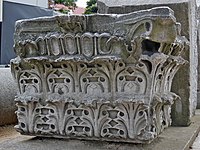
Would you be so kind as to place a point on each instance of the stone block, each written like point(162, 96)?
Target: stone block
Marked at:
point(185, 81)
point(198, 45)
point(8, 91)
point(97, 77)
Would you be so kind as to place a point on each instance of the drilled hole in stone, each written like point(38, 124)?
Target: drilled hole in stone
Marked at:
point(140, 79)
point(155, 130)
point(37, 110)
point(35, 80)
point(121, 114)
point(140, 113)
point(73, 134)
point(52, 126)
point(51, 80)
point(22, 81)
point(33, 67)
point(147, 26)
point(121, 78)
point(132, 46)
point(52, 111)
point(102, 79)
point(69, 128)
point(48, 65)
point(104, 113)
point(120, 64)
point(141, 65)
point(22, 125)
point(87, 129)
point(82, 65)
point(68, 80)
point(105, 130)
point(84, 80)
point(69, 112)
point(65, 66)
point(160, 76)
point(168, 78)
point(164, 123)
point(121, 132)
point(22, 109)
point(17, 68)
point(86, 112)
point(152, 129)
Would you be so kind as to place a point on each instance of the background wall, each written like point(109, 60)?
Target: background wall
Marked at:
point(40, 3)
point(1, 10)
point(11, 13)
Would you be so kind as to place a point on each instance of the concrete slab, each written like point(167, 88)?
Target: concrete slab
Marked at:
point(173, 138)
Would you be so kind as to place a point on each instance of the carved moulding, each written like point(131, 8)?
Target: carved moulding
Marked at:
point(106, 80)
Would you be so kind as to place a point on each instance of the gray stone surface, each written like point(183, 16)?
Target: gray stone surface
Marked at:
point(173, 138)
point(198, 44)
point(98, 77)
point(185, 81)
point(8, 91)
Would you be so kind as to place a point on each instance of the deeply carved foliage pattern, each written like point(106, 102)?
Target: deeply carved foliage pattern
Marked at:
point(99, 120)
point(98, 85)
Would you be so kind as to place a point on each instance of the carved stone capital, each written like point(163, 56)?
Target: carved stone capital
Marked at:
point(102, 77)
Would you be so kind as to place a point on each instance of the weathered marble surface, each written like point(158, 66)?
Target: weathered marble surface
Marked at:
point(8, 91)
point(185, 81)
point(198, 47)
point(102, 77)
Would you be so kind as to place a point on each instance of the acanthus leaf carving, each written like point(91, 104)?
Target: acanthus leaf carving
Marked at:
point(105, 82)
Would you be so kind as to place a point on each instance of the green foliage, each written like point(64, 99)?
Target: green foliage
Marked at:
point(59, 1)
point(64, 11)
point(91, 2)
point(91, 7)
point(91, 10)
